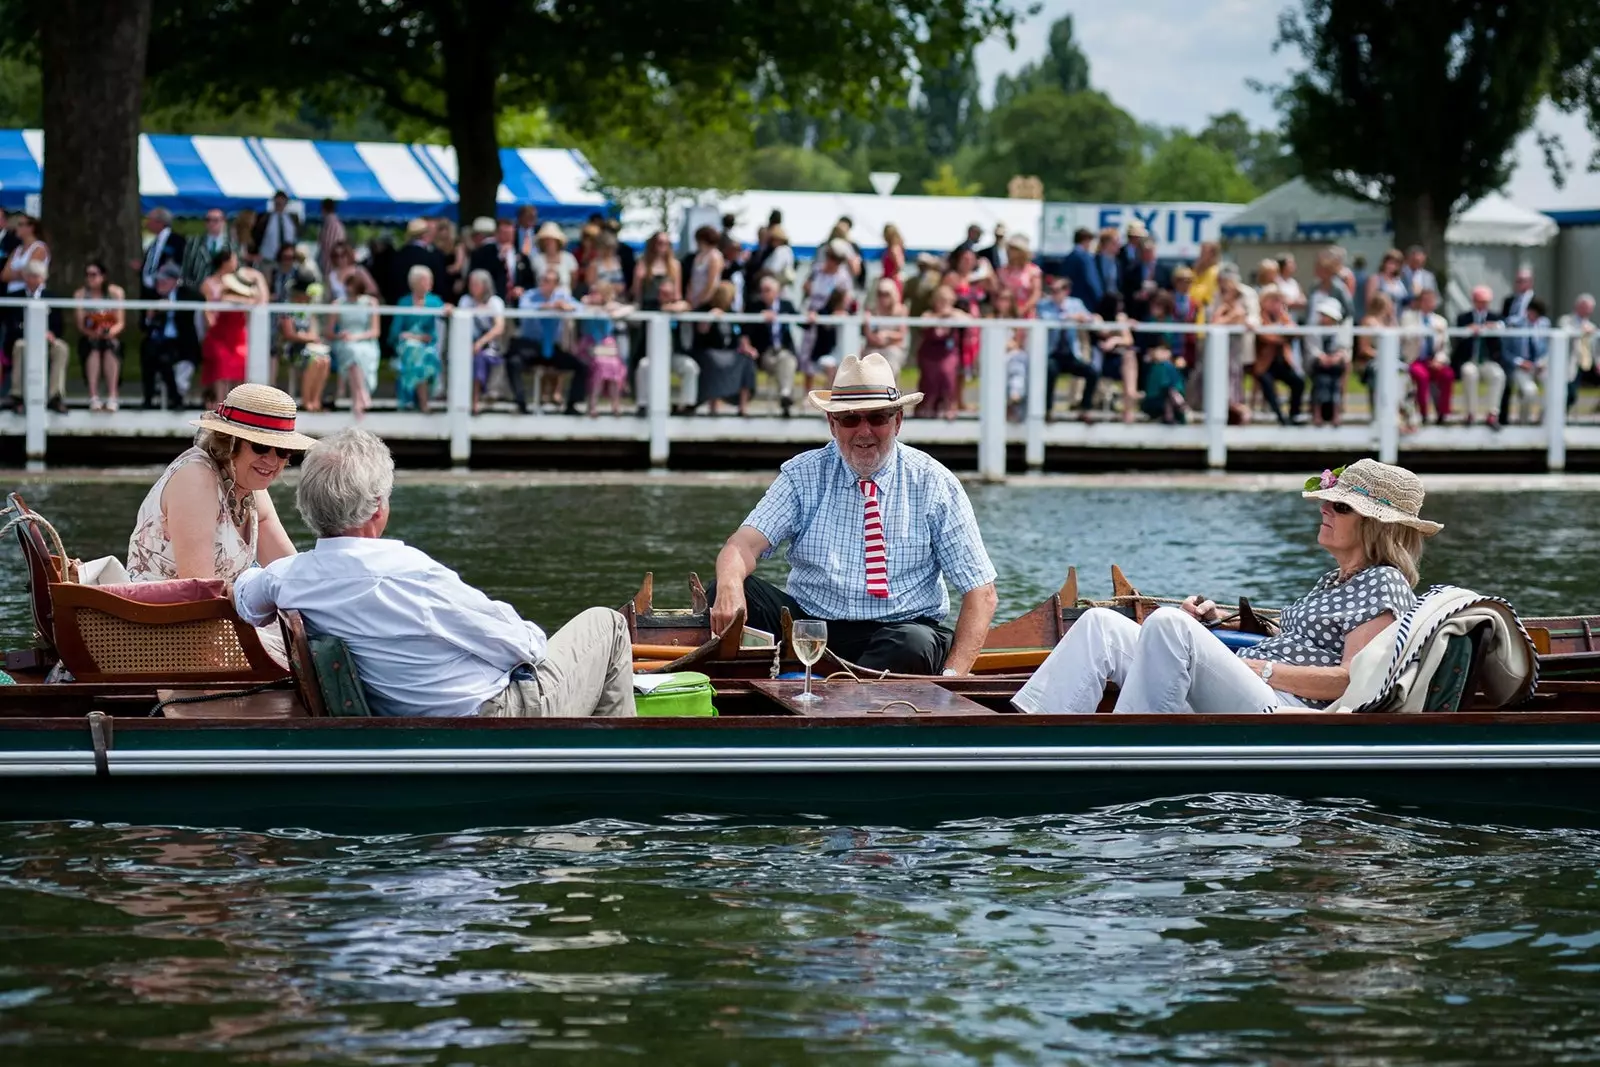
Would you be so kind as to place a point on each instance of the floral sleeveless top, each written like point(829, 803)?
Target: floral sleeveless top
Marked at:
point(150, 548)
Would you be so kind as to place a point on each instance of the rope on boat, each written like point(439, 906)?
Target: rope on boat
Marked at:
point(34, 516)
point(159, 710)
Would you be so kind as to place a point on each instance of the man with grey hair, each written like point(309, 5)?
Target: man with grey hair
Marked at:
point(1580, 357)
point(165, 247)
point(423, 641)
point(33, 288)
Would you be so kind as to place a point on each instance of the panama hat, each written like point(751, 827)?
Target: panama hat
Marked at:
point(483, 224)
point(239, 286)
point(1377, 490)
point(863, 383)
point(256, 413)
point(417, 228)
point(550, 231)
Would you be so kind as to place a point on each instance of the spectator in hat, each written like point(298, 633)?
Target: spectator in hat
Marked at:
point(276, 228)
point(33, 288)
point(417, 251)
point(170, 340)
point(1128, 256)
point(1328, 360)
point(481, 230)
point(842, 231)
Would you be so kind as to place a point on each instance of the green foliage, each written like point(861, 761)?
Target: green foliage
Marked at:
point(1186, 168)
point(946, 183)
point(21, 98)
point(1064, 66)
point(1421, 104)
point(791, 167)
point(1082, 146)
point(1260, 155)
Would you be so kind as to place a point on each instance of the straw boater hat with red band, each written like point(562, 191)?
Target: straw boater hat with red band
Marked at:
point(256, 413)
point(864, 383)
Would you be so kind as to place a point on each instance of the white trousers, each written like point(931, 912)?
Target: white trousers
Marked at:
point(688, 372)
point(1170, 664)
point(1525, 392)
point(1489, 371)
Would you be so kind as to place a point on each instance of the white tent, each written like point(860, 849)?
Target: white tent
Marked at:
point(1297, 212)
point(928, 223)
point(1494, 220)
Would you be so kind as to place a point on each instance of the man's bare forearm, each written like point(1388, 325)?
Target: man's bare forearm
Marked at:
point(977, 612)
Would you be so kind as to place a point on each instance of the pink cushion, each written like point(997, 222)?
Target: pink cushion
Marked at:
point(171, 591)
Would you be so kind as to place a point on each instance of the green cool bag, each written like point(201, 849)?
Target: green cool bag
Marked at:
point(682, 693)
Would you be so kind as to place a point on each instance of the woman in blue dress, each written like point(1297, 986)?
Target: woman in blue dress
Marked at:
point(415, 339)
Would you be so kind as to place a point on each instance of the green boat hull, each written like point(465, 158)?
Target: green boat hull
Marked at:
point(419, 776)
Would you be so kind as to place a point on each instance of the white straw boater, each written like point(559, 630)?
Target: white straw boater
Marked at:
point(256, 413)
point(864, 383)
point(1377, 490)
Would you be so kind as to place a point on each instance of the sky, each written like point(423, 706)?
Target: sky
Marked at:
point(1178, 62)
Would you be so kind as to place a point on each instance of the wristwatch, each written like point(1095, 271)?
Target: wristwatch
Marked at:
point(1266, 671)
point(949, 672)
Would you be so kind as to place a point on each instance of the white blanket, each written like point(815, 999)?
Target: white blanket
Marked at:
point(1393, 672)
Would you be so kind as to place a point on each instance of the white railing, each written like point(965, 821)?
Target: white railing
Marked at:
point(992, 433)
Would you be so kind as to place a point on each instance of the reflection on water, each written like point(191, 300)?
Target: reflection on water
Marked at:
point(1215, 929)
point(554, 550)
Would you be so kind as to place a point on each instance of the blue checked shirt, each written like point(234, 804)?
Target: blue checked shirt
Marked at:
point(929, 532)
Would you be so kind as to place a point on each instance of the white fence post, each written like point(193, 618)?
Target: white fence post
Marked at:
point(1038, 386)
point(1216, 397)
point(1386, 396)
point(658, 346)
point(458, 395)
point(992, 404)
point(258, 365)
point(35, 380)
point(850, 337)
point(1555, 400)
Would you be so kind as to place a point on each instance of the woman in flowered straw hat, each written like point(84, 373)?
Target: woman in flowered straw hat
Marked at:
point(1373, 529)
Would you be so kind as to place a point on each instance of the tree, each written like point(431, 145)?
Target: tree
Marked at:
point(1064, 66)
point(1082, 146)
point(947, 183)
point(1418, 104)
point(790, 167)
point(90, 200)
point(951, 110)
point(1261, 154)
point(456, 63)
point(1184, 168)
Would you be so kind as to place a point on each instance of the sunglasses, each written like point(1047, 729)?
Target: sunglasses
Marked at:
point(1341, 508)
point(261, 450)
point(877, 418)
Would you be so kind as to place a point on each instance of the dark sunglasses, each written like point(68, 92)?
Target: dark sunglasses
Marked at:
point(261, 450)
point(1341, 508)
point(877, 418)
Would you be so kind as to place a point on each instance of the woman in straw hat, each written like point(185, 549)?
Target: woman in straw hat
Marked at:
point(209, 515)
point(1372, 528)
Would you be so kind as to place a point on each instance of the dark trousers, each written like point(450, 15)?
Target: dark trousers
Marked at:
point(526, 355)
point(1282, 371)
point(917, 647)
point(155, 361)
point(1064, 361)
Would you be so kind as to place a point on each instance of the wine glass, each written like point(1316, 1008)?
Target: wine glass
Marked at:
point(809, 637)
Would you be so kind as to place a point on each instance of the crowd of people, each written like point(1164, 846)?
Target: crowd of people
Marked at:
point(1108, 301)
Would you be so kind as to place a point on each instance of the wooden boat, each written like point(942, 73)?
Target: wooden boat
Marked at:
point(681, 639)
point(157, 744)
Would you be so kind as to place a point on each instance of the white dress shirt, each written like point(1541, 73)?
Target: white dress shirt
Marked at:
point(424, 642)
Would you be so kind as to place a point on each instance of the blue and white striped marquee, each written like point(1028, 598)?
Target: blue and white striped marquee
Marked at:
point(372, 180)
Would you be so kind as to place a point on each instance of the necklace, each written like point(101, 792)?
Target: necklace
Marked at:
point(239, 508)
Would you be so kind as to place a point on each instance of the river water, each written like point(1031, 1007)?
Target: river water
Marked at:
point(1216, 929)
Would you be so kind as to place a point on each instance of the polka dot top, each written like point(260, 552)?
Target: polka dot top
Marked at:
point(1314, 628)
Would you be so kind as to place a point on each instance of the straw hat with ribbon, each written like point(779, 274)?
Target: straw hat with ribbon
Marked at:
point(863, 383)
point(550, 231)
point(238, 286)
point(1377, 490)
point(256, 413)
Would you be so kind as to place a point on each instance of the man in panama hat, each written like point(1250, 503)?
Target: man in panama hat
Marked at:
point(874, 529)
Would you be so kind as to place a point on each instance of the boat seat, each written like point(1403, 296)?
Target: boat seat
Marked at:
point(103, 637)
point(43, 568)
point(324, 672)
point(1455, 683)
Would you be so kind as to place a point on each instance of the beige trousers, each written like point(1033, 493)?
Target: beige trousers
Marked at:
point(587, 670)
point(781, 364)
point(58, 366)
point(1489, 371)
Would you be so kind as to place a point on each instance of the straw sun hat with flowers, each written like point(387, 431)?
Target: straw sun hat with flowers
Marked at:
point(257, 413)
point(1377, 490)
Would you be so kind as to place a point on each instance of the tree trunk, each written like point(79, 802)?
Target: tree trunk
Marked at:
point(1421, 218)
point(471, 71)
point(90, 202)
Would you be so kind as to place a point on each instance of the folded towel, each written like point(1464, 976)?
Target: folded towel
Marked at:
point(1392, 673)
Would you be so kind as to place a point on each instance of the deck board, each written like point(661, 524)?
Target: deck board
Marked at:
point(896, 699)
point(273, 704)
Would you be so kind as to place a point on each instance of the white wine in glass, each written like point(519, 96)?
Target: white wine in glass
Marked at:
point(809, 638)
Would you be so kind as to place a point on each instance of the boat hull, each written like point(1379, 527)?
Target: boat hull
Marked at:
point(416, 776)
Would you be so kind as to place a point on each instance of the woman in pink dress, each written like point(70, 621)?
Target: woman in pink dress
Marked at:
point(894, 257)
point(226, 347)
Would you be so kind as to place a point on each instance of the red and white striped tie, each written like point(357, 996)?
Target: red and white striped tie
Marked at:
point(877, 556)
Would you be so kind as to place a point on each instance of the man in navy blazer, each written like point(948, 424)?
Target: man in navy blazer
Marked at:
point(1083, 271)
